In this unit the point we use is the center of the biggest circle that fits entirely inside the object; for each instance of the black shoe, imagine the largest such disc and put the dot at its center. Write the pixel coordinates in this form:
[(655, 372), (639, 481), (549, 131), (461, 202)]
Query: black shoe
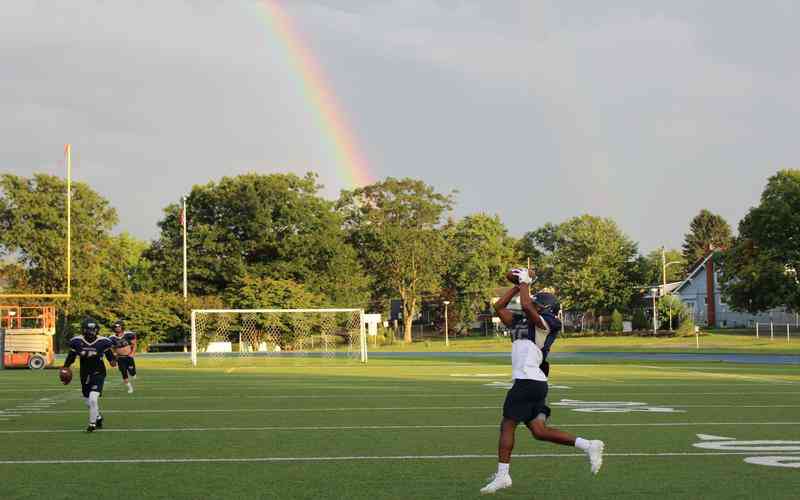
[(99, 423), (91, 428)]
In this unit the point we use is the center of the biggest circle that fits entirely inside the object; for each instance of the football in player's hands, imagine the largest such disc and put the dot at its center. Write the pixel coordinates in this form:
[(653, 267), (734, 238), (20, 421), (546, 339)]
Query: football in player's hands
[(512, 276), (65, 375), (518, 276)]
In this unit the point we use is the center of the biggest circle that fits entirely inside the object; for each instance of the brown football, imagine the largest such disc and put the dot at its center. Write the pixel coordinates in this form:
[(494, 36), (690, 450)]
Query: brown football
[(512, 278), (65, 375)]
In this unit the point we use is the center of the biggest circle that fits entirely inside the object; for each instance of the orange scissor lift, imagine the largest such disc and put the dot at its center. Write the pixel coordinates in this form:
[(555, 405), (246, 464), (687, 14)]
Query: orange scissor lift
[(29, 336)]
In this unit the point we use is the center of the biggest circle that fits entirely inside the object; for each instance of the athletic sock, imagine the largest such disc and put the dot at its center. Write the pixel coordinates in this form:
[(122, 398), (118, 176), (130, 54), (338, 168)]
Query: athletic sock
[(582, 444), (502, 469), (94, 407)]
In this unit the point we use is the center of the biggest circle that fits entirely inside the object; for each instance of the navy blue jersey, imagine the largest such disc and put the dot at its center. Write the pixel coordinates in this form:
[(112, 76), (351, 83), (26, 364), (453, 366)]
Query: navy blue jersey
[(126, 339), (90, 353), (544, 339)]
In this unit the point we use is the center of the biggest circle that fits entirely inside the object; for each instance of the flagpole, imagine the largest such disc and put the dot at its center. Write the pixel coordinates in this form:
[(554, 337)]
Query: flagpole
[(184, 221)]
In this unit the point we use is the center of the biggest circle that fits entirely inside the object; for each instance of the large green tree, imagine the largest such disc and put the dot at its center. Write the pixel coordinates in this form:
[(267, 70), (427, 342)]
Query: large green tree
[(480, 251), (707, 231), (33, 240), (396, 227), (265, 226), (760, 271), (590, 263)]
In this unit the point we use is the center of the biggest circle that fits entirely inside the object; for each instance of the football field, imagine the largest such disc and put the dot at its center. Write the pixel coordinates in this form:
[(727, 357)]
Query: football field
[(400, 428)]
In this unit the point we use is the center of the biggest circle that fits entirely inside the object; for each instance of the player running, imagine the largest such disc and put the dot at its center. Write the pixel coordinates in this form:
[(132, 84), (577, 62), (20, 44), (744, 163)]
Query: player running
[(125, 349), (91, 348), (532, 335)]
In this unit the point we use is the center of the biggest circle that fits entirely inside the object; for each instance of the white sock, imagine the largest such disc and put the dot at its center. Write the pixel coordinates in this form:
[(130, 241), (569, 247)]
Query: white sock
[(582, 444), (94, 407), (130, 386), (502, 469)]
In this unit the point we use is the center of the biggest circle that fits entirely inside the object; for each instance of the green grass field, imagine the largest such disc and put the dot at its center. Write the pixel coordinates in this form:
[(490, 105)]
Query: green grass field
[(398, 428)]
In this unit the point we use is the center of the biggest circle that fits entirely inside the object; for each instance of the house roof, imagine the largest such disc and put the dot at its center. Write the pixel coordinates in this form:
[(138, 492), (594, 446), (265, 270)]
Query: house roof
[(665, 289), (694, 272)]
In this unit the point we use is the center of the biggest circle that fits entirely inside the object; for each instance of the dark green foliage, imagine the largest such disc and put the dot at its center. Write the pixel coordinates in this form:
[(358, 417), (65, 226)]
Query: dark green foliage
[(265, 226), (589, 262), (480, 252), (640, 320), (395, 225), (707, 231), (761, 269)]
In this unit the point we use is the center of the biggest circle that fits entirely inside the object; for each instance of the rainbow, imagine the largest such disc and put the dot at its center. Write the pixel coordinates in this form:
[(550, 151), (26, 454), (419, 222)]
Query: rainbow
[(351, 165)]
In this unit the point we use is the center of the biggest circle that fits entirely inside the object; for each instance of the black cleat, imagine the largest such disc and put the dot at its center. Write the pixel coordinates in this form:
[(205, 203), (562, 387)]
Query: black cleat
[(91, 428), (99, 423)]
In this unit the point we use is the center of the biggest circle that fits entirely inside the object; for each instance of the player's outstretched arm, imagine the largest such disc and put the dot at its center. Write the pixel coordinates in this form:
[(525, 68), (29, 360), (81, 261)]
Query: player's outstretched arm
[(501, 306)]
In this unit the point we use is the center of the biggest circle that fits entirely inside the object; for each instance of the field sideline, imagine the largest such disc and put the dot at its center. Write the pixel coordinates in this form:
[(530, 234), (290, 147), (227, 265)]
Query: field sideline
[(400, 428), (719, 341)]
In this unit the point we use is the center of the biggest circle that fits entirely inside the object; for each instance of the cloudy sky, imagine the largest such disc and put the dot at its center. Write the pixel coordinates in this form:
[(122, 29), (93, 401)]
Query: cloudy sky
[(644, 112)]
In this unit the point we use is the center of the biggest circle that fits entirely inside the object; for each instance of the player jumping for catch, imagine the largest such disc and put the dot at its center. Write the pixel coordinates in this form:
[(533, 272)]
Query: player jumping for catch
[(525, 402), (124, 349), (91, 348)]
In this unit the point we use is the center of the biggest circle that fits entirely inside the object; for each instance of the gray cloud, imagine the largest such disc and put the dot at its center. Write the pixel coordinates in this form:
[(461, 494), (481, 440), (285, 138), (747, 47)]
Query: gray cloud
[(644, 112)]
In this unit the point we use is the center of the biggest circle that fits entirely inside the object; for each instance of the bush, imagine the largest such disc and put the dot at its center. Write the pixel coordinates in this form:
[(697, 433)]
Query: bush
[(686, 328), (616, 321), (640, 320), (679, 312)]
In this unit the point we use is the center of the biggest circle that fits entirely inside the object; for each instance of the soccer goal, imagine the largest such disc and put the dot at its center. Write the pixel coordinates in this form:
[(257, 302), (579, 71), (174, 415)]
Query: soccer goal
[(278, 332)]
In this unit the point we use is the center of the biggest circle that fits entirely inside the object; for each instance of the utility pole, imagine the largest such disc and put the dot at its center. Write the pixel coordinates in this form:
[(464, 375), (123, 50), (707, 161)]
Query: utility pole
[(446, 335)]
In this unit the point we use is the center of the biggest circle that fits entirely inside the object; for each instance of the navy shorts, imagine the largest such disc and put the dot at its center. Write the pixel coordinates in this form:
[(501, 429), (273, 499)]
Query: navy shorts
[(126, 366), (92, 383), (526, 400)]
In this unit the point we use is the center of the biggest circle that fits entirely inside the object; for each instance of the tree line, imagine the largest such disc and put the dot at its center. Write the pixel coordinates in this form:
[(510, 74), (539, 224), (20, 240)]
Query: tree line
[(273, 241)]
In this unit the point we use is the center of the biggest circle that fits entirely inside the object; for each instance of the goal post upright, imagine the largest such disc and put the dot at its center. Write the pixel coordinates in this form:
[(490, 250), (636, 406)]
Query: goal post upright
[(68, 255), (194, 338), (362, 336)]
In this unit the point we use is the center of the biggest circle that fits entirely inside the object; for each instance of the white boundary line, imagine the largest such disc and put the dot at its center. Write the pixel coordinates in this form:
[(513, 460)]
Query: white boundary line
[(392, 408), (383, 427), (365, 458), (490, 393)]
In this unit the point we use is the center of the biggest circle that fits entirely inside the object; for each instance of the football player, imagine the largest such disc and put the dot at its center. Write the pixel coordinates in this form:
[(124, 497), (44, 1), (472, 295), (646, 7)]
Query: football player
[(90, 349), (532, 334), (125, 349)]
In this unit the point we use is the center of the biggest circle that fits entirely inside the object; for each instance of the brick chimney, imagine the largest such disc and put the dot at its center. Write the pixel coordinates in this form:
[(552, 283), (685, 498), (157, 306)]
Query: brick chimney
[(711, 302)]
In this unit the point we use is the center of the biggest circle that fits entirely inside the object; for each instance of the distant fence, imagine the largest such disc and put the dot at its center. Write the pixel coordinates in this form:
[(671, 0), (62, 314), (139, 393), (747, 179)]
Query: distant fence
[(776, 330)]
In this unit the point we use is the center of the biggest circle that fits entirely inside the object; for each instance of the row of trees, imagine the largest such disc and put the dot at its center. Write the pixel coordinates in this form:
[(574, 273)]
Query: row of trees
[(274, 241)]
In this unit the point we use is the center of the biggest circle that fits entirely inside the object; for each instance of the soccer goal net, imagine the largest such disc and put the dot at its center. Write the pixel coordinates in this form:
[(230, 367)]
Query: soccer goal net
[(278, 332)]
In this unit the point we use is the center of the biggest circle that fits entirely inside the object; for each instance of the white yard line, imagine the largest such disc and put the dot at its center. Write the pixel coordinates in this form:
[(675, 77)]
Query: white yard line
[(488, 393), (388, 427), (365, 458), (278, 410), (383, 408)]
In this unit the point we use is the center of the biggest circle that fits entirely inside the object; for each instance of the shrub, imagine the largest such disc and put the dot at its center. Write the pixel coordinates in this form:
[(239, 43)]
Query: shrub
[(686, 327), (616, 321), (640, 320)]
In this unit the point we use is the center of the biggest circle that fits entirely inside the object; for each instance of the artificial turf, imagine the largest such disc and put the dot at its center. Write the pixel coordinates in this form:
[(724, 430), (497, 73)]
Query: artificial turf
[(396, 428)]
